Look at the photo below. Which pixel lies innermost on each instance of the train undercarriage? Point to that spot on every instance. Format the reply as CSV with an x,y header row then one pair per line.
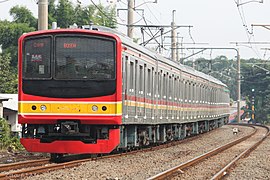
x,y
145,135
130,136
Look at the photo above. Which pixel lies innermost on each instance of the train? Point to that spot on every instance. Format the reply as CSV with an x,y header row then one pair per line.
x,y
92,90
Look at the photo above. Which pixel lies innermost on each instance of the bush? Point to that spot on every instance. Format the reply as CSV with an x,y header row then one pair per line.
x,y
8,142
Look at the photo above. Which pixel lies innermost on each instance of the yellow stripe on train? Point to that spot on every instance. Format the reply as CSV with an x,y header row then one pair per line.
x,y
79,108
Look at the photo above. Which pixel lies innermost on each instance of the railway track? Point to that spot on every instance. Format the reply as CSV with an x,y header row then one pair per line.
x,y
221,158
45,166
26,168
23,164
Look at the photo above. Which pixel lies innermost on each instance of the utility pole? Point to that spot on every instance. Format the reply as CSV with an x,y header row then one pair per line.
x,y
177,47
130,18
42,14
173,39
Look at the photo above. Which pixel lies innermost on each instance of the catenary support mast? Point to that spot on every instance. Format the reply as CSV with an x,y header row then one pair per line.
x,y
42,14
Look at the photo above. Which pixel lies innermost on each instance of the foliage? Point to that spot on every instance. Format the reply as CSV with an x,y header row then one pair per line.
x,y
21,14
6,140
254,75
9,34
221,68
8,80
65,13
51,12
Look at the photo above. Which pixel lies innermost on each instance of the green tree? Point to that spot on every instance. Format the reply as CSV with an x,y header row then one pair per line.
x,y
8,80
9,35
83,15
4,133
6,140
257,78
51,12
65,14
221,68
21,14
105,16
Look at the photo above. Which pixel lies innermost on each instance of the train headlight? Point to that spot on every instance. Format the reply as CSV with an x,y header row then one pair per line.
x,y
104,108
94,108
34,107
43,108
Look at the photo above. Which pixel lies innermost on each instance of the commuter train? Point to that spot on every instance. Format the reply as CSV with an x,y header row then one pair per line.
x,y
93,90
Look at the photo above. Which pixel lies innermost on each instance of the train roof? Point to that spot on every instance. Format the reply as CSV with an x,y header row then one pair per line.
x,y
129,42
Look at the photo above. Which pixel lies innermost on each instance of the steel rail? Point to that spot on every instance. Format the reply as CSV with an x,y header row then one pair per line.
x,y
170,172
41,169
23,164
73,163
226,169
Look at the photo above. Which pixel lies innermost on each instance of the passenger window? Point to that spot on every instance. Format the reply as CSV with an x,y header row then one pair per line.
x,y
131,76
170,87
141,81
149,83
164,91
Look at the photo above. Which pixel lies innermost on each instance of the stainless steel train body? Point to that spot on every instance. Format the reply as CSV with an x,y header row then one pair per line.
x,y
164,100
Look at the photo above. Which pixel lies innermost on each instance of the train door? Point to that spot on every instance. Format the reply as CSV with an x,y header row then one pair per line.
x,y
164,95
131,109
187,93
183,94
159,95
205,100
124,86
154,95
180,98
189,100
200,100
175,99
194,98
148,93
140,83
170,97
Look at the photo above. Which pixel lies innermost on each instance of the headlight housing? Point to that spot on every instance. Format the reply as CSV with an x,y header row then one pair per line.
x,y
43,108
94,108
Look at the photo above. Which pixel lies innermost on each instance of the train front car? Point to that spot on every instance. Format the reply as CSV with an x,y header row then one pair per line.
x,y
70,91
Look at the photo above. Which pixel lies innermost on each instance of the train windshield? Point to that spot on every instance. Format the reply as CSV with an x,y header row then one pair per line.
x,y
69,66
37,58
84,58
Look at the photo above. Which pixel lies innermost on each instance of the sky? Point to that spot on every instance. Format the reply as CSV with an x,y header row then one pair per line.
x,y
215,23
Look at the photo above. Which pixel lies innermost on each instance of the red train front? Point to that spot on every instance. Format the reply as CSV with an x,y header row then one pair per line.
x,y
70,91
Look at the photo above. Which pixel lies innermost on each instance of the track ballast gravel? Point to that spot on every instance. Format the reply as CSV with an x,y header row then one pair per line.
x,y
146,164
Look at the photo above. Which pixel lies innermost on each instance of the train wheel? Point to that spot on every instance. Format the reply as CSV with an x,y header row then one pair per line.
x,y
56,157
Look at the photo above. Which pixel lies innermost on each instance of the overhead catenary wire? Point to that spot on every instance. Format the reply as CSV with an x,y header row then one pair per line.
x,y
189,32
249,32
4,1
141,15
151,11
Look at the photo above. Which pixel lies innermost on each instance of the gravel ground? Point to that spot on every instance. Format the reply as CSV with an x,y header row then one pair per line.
x,y
146,164
207,169
255,166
